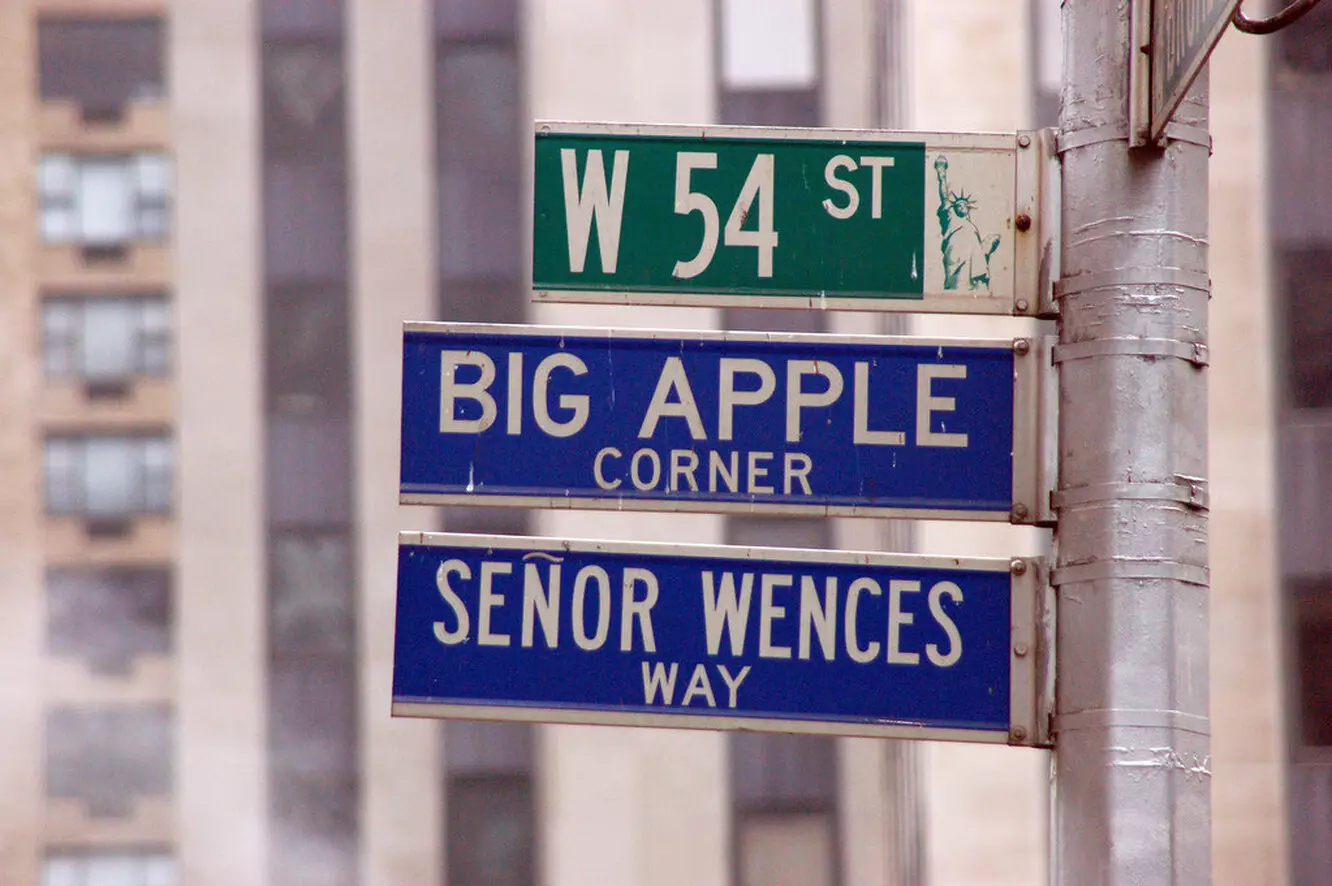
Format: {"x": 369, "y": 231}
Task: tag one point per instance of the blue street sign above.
{"x": 720, "y": 422}
{"x": 549, "y": 630}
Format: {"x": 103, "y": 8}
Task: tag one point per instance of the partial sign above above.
{"x": 721, "y": 422}
{"x": 774, "y": 640}
{"x": 786, "y": 218}
{"x": 1181, "y": 35}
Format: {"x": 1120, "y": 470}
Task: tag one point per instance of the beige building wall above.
{"x": 635, "y": 807}
{"x": 391, "y": 121}
{"x": 1249, "y": 769}
{"x": 22, "y": 607}
{"x": 987, "y": 818}
{"x": 220, "y": 594}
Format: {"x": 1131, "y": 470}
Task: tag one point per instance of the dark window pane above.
{"x": 308, "y": 370}
{"x": 314, "y": 830}
{"x": 310, "y": 610}
{"x": 775, "y": 532}
{"x": 778, "y": 320}
{"x": 1306, "y": 46}
{"x": 477, "y": 95}
{"x": 490, "y": 831}
{"x": 311, "y": 717}
{"x": 487, "y": 748}
{"x": 285, "y": 19}
{"x": 1308, "y": 286}
{"x": 1301, "y": 129}
{"x": 108, "y": 617}
{"x": 1313, "y": 651}
{"x": 309, "y": 471}
{"x": 797, "y": 107}
{"x": 109, "y": 756}
{"x": 483, "y": 301}
{"x": 480, "y": 232}
{"x": 306, "y": 219}
{"x": 303, "y": 106}
{"x": 459, "y": 19}
{"x": 101, "y": 64}
{"x": 783, "y": 771}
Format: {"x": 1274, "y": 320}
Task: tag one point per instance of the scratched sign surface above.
{"x": 698, "y": 421}
{"x": 553, "y": 630}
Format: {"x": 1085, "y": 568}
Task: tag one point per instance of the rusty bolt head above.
{"x": 1023, "y": 222}
{"x": 1019, "y": 512}
{"x": 1021, "y": 347}
{"x": 1020, "y": 650}
{"x": 1017, "y": 566}
{"x": 1021, "y": 306}
{"x": 1017, "y": 733}
{"x": 1024, "y": 141}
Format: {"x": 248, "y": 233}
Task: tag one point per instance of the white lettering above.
{"x": 458, "y": 634}
{"x": 636, "y": 475}
{"x": 770, "y": 612}
{"x": 897, "y": 618}
{"x": 859, "y": 654}
{"x": 602, "y": 482}
{"x": 927, "y": 404}
{"x": 593, "y": 201}
{"x": 729, "y": 475}
{"x": 450, "y": 391}
{"x": 862, "y": 433}
{"x": 949, "y": 658}
{"x": 699, "y": 684}
{"x": 822, "y": 618}
{"x": 721, "y": 609}
{"x": 756, "y": 473}
{"x": 597, "y": 576}
{"x": 575, "y": 403}
{"x": 684, "y": 463}
{"x": 541, "y": 604}
{"x": 673, "y": 378}
{"x": 791, "y": 472}
{"x": 732, "y": 682}
{"x": 657, "y": 679}
{"x": 841, "y": 161}
{"x": 489, "y": 600}
{"x": 876, "y": 165}
{"x": 797, "y": 399}
{"x": 728, "y": 397}
{"x": 632, "y": 608}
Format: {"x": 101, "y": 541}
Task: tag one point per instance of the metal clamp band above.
{"x": 1133, "y": 277}
{"x": 1140, "y": 569}
{"x": 1110, "y": 718}
{"x": 1193, "y": 135}
{"x": 1081, "y": 138}
{"x": 1194, "y": 352}
{"x": 1188, "y": 491}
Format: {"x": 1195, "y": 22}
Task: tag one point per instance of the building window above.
{"x": 101, "y": 64}
{"x": 785, "y": 790}
{"x": 108, "y": 617}
{"x": 109, "y": 756}
{"x": 106, "y": 337}
{"x": 104, "y": 200}
{"x": 107, "y": 868}
{"x": 490, "y": 826}
{"x": 770, "y": 62}
{"x": 108, "y": 476}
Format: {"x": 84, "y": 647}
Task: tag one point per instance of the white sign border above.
{"x": 1025, "y": 669}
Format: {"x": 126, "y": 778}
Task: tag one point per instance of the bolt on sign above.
{"x": 788, "y": 218}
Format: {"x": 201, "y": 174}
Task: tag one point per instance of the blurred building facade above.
{"x": 215, "y": 214}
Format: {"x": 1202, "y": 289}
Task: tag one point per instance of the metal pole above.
{"x": 1132, "y": 783}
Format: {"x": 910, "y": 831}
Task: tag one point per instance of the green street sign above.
{"x": 763, "y": 217}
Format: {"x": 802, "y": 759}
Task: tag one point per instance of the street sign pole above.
{"x": 1132, "y": 784}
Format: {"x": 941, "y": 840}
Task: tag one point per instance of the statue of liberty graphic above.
{"x": 966, "y": 252}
